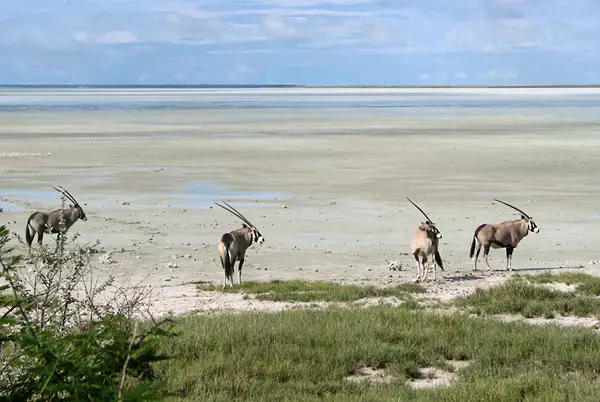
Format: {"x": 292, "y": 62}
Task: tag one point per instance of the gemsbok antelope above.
{"x": 233, "y": 245}
{"x": 503, "y": 235}
{"x": 49, "y": 222}
{"x": 424, "y": 246}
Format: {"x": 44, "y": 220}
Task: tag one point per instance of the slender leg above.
{"x": 425, "y": 268}
{"x": 486, "y": 253}
{"x": 224, "y": 273}
{"x": 476, "y": 256}
{"x": 509, "y": 252}
{"x": 40, "y": 237}
{"x": 240, "y": 271}
{"x": 232, "y": 271}
{"x": 434, "y": 264}
{"x": 418, "y": 278}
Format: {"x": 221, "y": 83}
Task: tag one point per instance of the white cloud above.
{"x": 500, "y": 75}
{"x": 81, "y": 36}
{"x": 240, "y": 72}
{"x": 117, "y": 38}
{"x": 309, "y": 3}
{"x": 184, "y": 8}
{"x": 278, "y": 26}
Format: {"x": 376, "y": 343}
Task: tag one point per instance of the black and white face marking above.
{"x": 81, "y": 214}
{"x": 257, "y": 237}
{"x": 532, "y": 226}
{"x": 432, "y": 227}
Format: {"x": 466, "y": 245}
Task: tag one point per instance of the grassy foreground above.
{"x": 527, "y": 296}
{"x": 305, "y": 355}
{"x": 309, "y": 291}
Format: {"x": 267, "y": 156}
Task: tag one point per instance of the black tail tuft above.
{"x": 472, "y": 252}
{"x": 28, "y": 234}
{"x": 438, "y": 260}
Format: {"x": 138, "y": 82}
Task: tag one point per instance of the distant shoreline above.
{"x": 297, "y": 86}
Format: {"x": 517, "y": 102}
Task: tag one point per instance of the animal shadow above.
{"x": 464, "y": 277}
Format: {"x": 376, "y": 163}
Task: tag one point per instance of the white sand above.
{"x": 328, "y": 194}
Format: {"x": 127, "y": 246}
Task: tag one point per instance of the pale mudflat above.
{"x": 328, "y": 193}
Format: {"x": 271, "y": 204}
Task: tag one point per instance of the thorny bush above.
{"x": 60, "y": 341}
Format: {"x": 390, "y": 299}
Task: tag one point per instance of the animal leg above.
{"x": 425, "y": 268}
{"x": 476, "y": 256}
{"x": 486, "y": 253}
{"x": 434, "y": 265}
{"x": 232, "y": 271}
{"x": 240, "y": 271}
{"x": 418, "y": 265}
{"x": 224, "y": 272}
{"x": 509, "y": 252}
{"x": 40, "y": 235}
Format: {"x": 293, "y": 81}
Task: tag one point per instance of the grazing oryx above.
{"x": 233, "y": 245}
{"x": 49, "y": 222}
{"x": 504, "y": 235}
{"x": 424, "y": 244}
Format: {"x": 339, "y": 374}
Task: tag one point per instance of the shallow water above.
{"x": 404, "y": 101}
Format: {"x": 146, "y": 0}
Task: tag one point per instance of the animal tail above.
{"x": 226, "y": 241}
{"x": 472, "y": 251}
{"x": 438, "y": 260}
{"x": 28, "y": 234}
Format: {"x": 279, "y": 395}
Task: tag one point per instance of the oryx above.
{"x": 49, "y": 222}
{"x": 233, "y": 245}
{"x": 503, "y": 235}
{"x": 424, "y": 246}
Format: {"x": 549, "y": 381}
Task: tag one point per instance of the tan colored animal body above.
{"x": 503, "y": 235}
{"x": 49, "y": 222}
{"x": 233, "y": 245}
{"x": 424, "y": 245}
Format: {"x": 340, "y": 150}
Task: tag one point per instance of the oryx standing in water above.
{"x": 424, "y": 246}
{"x": 49, "y": 222}
{"x": 233, "y": 245}
{"x": 503, "y": 235}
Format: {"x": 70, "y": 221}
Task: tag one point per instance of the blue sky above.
{"x": 321, "y": 42}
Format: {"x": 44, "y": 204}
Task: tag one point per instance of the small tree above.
{"x": 58, "y": 342}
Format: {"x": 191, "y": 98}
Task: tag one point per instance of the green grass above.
{"x": 311, "y": 291}
{"x": 586, "y": 284}
{"x": 304, "y": 355}
{"x": 523, "y": 295}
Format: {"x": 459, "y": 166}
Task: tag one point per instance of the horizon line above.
{"x": 292, "y": 86}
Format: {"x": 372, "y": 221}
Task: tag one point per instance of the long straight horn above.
{"x": 419, "y": 209}
{"x": 65, "y": 193}
{"x": 513, "y": 207}
{"x": 239, "y": 214}
{"x": 234, "y": 212}
{"x": 72, "y": 198}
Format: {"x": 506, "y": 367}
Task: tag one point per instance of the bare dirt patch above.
{"x": 561, "y": 321}
{"x": 561, "y": 287}
{"x": 434, "y": 377}
{"x": 370, "y": 374}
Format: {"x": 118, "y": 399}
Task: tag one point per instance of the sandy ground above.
{"x": 328, "y": 193}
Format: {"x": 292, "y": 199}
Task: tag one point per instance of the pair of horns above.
{"x": 513, "y": 207}
{"x": 235, "y": 212}
{"x": 64, "y": 192}
{"x": 428, "y": 219}
{"x": 502, "y": 202}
